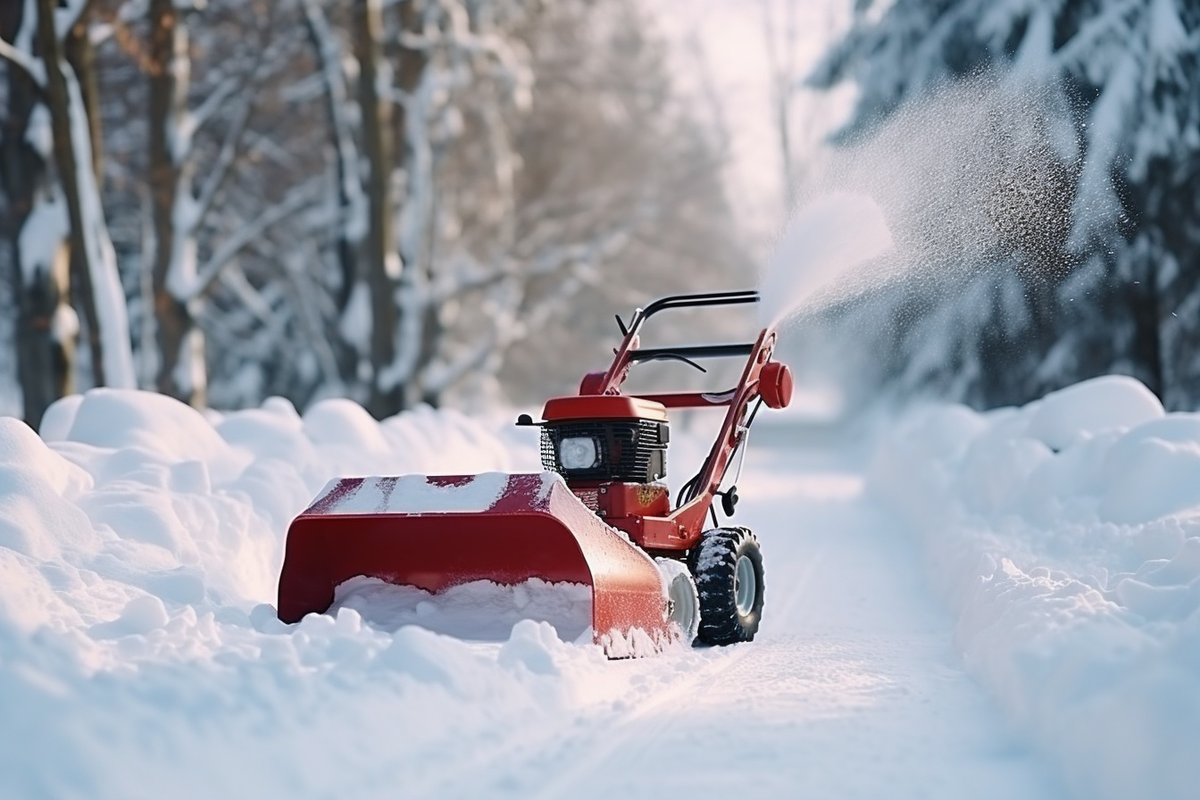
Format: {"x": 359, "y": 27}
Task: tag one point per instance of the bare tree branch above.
{"x": 66, "y": 18}
{"x": 295, "y": 201}
{"x": 32, "y": 66}
{"x": 226, "y": 158}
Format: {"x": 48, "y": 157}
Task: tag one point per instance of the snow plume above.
{"x": 827, "y": 246}
{"x": 980, "y": 174}
{"x": 976, "y": 187}
{"x": 978, "y": 171}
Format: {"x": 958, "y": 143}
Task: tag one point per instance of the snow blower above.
{"x": 599, "y": 516}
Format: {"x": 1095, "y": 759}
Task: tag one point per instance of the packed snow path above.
{"x": 851, "y": 689}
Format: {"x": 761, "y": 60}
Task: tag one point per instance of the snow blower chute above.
{"x": 599, "y": 516}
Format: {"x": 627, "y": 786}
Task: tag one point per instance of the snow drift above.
{"x": 1066, "y": 537}
{"x": 139, "y": 549}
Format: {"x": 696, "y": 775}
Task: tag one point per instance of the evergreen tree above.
{"x": 1118, "y": 295}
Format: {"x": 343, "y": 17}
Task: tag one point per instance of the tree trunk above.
{"x": 181, "y": 372}
{"x": 350, "y": 227}
{"x": 45, "y": 352}
{"x": 68, "y": 167}
{"x": 93, "y": 262}
{"x": 414, "y": 315}
{"x": 81, "y": 55}
{"x": 349, "y": 232}
{"x": 381, "y": 261}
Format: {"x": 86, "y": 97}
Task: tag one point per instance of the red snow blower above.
{"x": 599, "y": 516}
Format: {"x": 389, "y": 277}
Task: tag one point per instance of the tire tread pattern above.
{"x": 713, "y": 563}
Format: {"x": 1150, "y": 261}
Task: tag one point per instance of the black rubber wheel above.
{"x": 728, "y": 567}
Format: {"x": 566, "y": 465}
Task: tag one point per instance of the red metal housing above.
{"x": 532, "y": 527}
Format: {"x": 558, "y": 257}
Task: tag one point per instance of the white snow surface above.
{"x": 1065, "y": 536}
{"x": 413, "y": 494}
{"x": 140, "y": 655}
{"x": 480, "y": 610}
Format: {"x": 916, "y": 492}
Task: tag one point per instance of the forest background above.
{"x": 444, "y": 201}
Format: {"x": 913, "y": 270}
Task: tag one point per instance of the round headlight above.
{"x": 577, "y": 452}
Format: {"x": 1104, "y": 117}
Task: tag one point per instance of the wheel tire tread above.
{"x": 713, "y": 564}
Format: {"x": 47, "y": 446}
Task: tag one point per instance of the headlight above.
{"x": 577, "y": 452}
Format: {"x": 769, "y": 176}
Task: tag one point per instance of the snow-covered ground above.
{"x": 1065, "y": 536}
{"x": 1000, "y": 605}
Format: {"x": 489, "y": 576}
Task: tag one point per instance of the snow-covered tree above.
{"x": 534, "y": 149}
{"x": 35, "y": 225}
{"x": 100, "y": 293}
{"x": 1124, "y": 117}
{"x": 52, "y": 47}
{"x": 186, "y": 179}
{"x": 536, "y": 156}
{"x": 617, "y": 165}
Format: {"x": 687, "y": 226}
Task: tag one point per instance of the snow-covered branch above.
{"x": 215, "y": 102}
{"x": 226, "y": 158}
{"x": 296, "y": 200}
{"x": 30, "y": 65}
{"x": 68, "y": 14}
{"x": 349, "y": 170}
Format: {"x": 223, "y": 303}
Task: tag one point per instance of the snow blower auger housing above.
{"x": 598, "y": 516}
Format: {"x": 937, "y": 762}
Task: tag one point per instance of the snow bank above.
{"x": 140, "y": 544}
{"x": 1066, "y": 536}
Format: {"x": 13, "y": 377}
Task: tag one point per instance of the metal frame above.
{"x": 688, "y": 519}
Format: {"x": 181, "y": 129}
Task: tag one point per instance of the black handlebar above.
{"x": 689, "y": 352}
{"x": 699, "y": 300}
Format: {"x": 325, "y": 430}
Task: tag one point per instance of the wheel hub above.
{"x": 683, "y": 602}
{"x": 745, "y": 585}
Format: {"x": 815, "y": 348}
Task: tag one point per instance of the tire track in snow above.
{"x": 852, "y": 689}
{"x": 645, "y": 722}
{"x": 601, "y": 745}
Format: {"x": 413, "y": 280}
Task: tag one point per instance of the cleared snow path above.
{"x": 852, "y": 688}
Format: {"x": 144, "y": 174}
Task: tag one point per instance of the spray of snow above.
{"x": 979, "y": 188}
{"x": 824, "y": 254}
{"x": 979, "y": 176}
{"x": 978, "y": 171}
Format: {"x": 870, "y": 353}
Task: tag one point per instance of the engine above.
{"x": 626, "y": 450}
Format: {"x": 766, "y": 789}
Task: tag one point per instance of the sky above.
{"x": 722, "y": 44}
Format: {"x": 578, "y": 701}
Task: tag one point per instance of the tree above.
{"x": 182, "y": 283}
{"x": 36, "y": 228}
{"x": 387, "y": 205}
{"x": 100, "y": 293}
{"x": 1119, "y": 75}
{"x": 620, "y": 197}
{"x": 92, "y": 257}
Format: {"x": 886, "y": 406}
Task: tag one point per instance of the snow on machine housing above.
{"x": 599, "y": 516}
